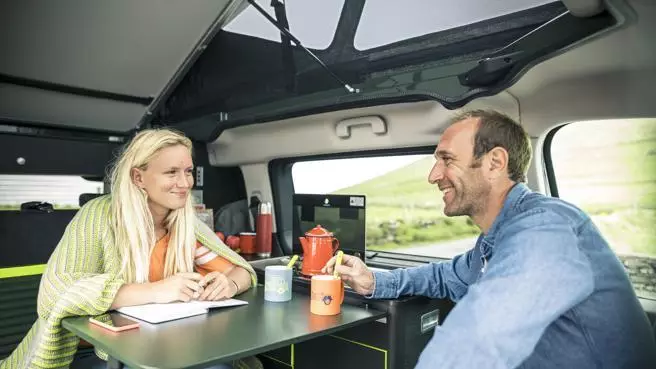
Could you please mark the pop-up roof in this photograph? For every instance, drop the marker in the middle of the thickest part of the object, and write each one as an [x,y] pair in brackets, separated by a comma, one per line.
[98,65]
[203,66]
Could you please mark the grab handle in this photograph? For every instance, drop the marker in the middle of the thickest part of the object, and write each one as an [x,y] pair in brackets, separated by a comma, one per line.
[378,125]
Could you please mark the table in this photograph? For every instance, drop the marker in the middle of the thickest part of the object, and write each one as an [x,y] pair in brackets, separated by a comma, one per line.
[222,335]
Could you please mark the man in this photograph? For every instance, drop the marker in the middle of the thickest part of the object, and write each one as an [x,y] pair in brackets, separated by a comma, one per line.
[540,289]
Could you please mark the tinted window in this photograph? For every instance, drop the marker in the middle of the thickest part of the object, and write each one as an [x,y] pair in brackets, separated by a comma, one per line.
[385,22]
[608,168]
[313,22]
[403,213]
[61,191]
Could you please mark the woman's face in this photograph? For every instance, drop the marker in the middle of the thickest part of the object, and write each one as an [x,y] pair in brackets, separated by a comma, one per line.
[168,178]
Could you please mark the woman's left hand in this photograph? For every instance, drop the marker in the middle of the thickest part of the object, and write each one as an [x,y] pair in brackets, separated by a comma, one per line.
[216,286]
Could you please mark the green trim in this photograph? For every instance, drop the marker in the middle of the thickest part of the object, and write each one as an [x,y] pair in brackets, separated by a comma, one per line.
[364,345]
[22,271]
[276,360]
[282,362]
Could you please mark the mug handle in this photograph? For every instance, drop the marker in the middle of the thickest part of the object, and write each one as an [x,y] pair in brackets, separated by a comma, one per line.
[335,245]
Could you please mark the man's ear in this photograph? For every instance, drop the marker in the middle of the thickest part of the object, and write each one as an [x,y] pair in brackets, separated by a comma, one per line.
[137,177]
[498,159]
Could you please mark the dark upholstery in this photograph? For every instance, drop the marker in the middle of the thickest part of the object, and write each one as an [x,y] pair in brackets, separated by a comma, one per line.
[17,310]
[86,197]
[30,237]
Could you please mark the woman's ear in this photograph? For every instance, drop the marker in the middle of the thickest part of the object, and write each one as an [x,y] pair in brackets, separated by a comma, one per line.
[498,161]
[137,177]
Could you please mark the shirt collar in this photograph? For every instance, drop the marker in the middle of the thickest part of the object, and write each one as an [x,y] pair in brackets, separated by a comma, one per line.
[514,197]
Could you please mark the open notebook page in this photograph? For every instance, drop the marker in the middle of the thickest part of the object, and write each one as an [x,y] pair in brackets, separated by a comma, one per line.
[158,313]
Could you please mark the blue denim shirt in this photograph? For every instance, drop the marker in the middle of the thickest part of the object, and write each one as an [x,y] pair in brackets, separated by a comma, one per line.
[542,289]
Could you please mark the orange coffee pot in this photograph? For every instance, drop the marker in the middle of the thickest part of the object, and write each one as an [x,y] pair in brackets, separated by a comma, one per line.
[319,246]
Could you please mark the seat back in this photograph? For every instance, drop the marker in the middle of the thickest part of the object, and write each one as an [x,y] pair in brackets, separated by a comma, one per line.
[86,197]
[17,310]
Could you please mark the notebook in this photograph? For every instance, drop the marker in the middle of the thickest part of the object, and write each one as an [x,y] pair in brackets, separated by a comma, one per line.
[158,313]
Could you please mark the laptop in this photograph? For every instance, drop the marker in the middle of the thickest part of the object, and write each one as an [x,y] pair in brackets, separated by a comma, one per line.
[344,215]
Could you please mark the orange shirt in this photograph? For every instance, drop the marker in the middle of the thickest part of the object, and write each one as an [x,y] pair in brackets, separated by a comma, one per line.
[205,260]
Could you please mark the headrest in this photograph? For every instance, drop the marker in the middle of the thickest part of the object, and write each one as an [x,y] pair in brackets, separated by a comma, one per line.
[44,207]
[86,197]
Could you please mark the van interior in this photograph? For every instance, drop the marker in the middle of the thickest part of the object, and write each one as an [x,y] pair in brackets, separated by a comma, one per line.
[324,97]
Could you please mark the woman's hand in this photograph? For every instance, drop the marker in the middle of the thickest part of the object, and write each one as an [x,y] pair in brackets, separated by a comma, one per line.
[180,287]
[217,286]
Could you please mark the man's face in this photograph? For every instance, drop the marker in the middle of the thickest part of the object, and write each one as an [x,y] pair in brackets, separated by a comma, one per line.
[456,173]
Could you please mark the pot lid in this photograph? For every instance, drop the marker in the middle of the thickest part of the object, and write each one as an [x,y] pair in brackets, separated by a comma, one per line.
[319,231]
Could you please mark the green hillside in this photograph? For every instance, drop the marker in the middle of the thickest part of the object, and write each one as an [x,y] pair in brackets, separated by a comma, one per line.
[611,173]
[403,209]
[400,187]
[601,169]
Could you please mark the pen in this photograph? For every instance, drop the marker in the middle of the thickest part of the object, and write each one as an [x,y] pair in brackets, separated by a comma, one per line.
[338,262]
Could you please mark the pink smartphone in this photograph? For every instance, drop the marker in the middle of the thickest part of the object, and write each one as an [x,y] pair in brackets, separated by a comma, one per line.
[119,323]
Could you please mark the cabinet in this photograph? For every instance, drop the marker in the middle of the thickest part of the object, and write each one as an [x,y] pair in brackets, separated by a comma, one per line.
[394,342]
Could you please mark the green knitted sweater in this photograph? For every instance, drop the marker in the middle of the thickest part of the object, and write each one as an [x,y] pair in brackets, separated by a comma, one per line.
[81,278]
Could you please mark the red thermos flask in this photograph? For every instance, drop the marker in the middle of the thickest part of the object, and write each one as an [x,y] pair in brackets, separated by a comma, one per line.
[263,230]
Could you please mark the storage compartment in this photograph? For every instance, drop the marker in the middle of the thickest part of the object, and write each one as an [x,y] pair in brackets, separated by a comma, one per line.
[397,339]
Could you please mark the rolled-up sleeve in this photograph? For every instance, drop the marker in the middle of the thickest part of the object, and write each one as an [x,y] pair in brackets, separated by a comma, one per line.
[447,279]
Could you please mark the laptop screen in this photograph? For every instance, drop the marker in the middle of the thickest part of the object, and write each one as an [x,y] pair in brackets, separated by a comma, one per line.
[343,215]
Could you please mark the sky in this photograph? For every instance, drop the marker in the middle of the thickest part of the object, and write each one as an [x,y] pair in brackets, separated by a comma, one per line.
[326,176]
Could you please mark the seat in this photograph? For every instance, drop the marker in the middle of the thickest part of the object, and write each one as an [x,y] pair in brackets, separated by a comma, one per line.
[233,218]
[86,197]
[17,310]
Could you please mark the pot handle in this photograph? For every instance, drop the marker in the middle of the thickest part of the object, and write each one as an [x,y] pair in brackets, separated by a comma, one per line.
[335,245]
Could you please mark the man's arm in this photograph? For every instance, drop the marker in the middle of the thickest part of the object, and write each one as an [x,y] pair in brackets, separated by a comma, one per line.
[536,274]
[448,279]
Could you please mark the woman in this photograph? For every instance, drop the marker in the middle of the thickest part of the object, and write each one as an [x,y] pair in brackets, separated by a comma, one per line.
[140,244]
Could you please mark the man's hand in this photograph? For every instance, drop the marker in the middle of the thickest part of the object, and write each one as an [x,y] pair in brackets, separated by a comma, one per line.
[217,287]
[179,287]
[353,272]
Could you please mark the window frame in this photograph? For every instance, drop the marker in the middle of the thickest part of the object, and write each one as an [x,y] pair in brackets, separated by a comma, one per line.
[98,180]
[547,161]
[282,191]
[552,185]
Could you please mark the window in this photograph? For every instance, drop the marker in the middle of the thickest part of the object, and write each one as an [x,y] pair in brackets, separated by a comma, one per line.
[313,22]
[403,213]
[61,191]
[608,168]
[386,22]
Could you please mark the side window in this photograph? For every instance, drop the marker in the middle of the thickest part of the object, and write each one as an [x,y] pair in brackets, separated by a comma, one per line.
[608,168]
[404,212]
[61,191]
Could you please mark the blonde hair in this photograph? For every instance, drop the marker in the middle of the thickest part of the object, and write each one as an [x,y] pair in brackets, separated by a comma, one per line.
[132,223]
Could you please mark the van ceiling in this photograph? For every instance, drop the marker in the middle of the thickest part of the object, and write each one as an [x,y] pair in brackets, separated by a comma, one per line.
[242,79]
[99,65]
[404,125]
[609,77]
[121,64]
